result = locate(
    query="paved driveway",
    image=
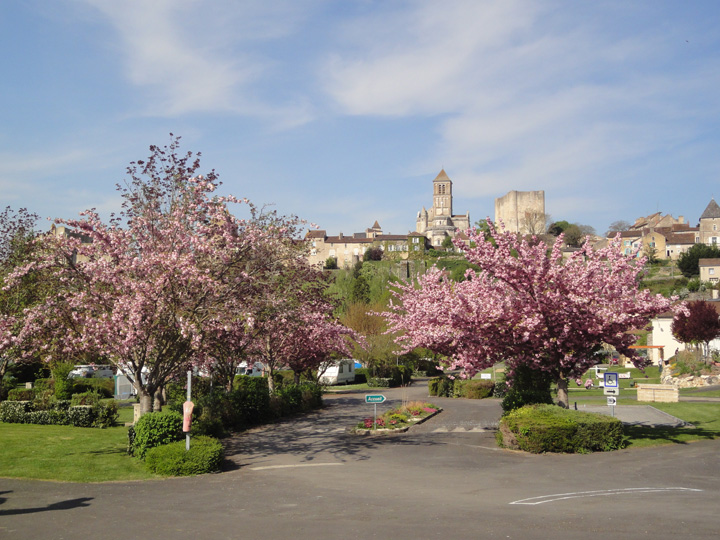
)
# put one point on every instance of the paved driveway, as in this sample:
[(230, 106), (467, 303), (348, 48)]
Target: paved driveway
[(446, 478)]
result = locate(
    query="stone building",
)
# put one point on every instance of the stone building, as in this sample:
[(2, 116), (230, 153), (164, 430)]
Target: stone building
[(522, 212), (710, 224), (349, 249), (439, 222)]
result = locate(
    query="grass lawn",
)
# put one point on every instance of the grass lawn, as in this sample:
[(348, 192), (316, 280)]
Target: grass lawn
[(704, 416), (67, 454)]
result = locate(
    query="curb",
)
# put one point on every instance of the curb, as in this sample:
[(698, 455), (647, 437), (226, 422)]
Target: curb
[(385, 431)]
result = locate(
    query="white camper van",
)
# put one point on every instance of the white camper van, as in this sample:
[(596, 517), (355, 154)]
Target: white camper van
[(339, 372), (255, 371)]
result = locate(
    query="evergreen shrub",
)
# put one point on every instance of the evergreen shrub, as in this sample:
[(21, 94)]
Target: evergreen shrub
[(548, 428), (155, 429), (205, 456), (473, 389), (21, 394)]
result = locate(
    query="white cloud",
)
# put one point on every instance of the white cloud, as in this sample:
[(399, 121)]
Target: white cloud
[(193, 56), (526, 97)]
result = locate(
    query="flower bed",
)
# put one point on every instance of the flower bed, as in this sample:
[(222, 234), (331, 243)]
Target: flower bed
[(397, 420)]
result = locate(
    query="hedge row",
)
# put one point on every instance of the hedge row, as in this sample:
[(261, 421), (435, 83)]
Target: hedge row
[(61, 413), (104, 387), (387, 377), (249, 404), (549, 428), (205, 456), (461, 388)]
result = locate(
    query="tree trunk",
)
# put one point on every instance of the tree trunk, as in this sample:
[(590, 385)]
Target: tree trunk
[(296, 378), (158, 399), (271, 382), (562, 395), (146, 401)]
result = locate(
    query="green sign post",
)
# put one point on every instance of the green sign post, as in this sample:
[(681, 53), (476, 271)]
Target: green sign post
[(374, 399)]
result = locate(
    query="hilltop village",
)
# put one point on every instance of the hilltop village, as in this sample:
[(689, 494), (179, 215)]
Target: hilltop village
[(660, 236)]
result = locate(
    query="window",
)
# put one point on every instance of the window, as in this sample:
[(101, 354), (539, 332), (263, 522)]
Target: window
[(313, 251), (711, 271), (341, 369)]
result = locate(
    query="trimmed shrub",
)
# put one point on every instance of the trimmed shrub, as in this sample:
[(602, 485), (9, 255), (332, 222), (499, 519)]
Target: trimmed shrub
[(205, 456), (548, 428), (14, 412), (473, 389), (82, 415), (104, 387), (361, 375), (441, 386), (21, 394), (379, 382), (85, 398), (155, 429)]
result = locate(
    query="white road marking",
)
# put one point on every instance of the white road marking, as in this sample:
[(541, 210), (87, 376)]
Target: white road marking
[(601, 493), (294, 466)]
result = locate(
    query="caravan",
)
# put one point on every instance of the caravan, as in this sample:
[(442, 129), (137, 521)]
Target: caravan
[(338, 372)]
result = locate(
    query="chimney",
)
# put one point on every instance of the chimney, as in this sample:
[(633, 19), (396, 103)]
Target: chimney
[(681, 219), (340, 236)]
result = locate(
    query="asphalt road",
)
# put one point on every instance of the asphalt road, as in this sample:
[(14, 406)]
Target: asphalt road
[(307, 479)]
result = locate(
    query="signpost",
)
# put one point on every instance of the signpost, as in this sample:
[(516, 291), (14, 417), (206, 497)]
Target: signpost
[(612, 388), (374, 399)]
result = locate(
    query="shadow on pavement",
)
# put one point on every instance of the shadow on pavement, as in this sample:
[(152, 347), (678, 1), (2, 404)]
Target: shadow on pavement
[(62, 505)]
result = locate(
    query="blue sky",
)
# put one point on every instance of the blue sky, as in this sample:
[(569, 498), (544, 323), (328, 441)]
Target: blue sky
[(342, 112)]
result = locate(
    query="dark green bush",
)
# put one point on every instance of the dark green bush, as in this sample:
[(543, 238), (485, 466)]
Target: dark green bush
[(104, 387), (548, 428), (473, 389), (156, 429), (85, 398), (107, 414), (526, 387), (205, 456), (361, 375), (44, 384), (441, 386), (21, 394), (63, 385)]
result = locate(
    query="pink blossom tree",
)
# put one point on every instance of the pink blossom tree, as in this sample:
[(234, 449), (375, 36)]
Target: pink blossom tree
[(293, 321), (145, 291), (528, 306)]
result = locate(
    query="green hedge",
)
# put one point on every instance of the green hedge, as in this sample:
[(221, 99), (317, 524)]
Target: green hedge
[(21, 394), (205, 456), (99, 415), (249, 404), (155, 429), (473, 389), (548, 428), (461, 388)]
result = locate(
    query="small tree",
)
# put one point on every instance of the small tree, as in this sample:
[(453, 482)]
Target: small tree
[(688, 262), (698, 325), (331, 263)]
